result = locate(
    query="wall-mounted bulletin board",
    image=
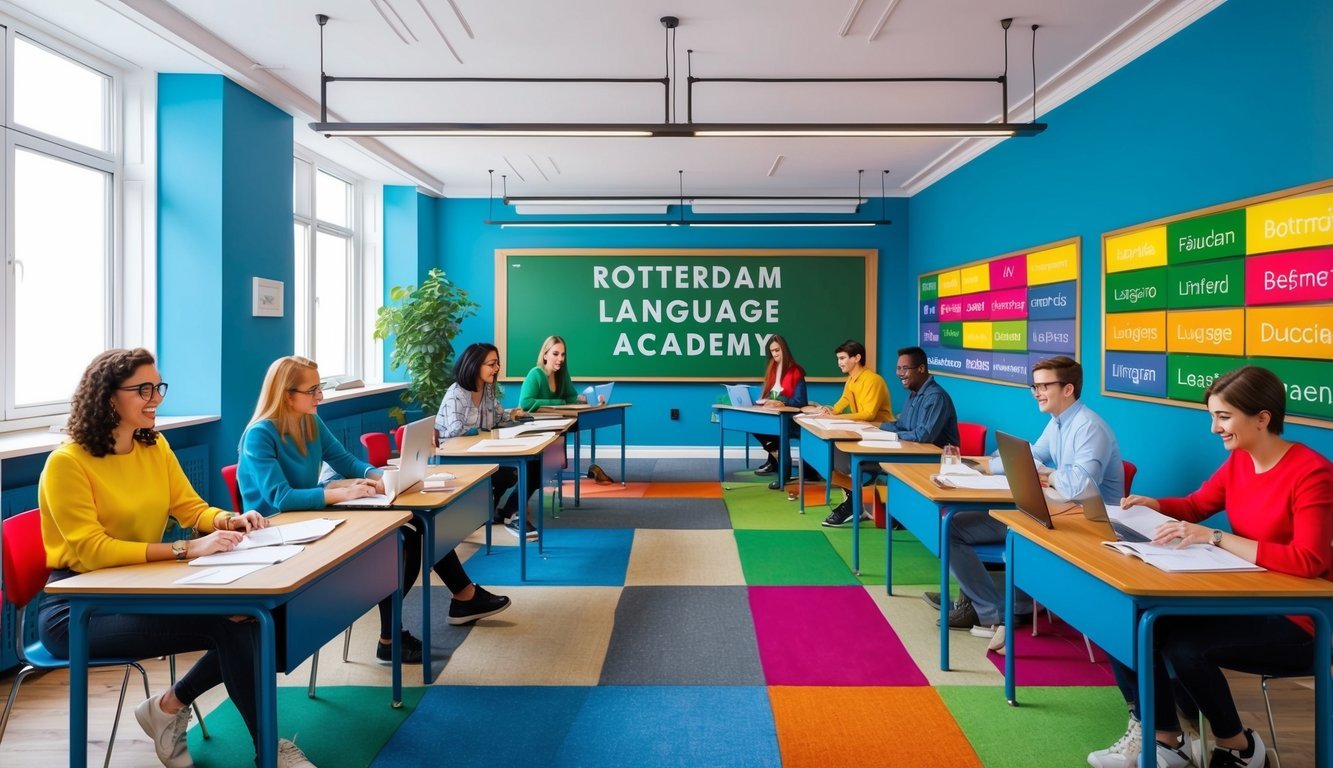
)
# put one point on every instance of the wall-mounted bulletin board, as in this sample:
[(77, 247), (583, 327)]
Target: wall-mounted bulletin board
[(992, 319), (1193, 296), (682, 314)]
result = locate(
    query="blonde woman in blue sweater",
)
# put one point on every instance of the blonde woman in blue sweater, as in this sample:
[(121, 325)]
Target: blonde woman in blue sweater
[(282, 453)]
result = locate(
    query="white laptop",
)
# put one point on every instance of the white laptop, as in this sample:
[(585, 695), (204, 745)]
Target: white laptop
[(418, 445), (739, 394)]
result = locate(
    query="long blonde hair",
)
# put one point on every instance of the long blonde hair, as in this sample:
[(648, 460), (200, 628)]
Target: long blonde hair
[(282, 378), (564, 375)]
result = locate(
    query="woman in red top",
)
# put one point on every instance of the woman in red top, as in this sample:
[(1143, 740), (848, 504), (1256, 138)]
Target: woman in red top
[(1278, 496), (784, 384)]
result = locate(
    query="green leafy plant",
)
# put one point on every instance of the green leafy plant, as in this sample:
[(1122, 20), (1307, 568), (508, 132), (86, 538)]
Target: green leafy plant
[(424, 321)]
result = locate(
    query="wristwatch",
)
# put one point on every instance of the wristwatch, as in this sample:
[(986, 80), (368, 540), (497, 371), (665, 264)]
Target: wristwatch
[(179, 548), (1217, 537)]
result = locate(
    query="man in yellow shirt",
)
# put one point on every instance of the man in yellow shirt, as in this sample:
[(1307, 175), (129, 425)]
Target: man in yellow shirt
[(865, 397)]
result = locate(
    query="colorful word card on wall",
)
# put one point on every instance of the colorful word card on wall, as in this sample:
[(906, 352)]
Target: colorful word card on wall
[(992, 319), (1194, 296)]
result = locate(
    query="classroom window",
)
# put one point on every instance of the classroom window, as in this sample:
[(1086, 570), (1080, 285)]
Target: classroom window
[(60, 170), (325, 204)]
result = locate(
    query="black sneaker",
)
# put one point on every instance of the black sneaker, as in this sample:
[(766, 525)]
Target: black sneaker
[(932, 599), (511, 525), (1253, 756), (411, 650), (963, 615), (840, 516), (767, 468), (481, 605)]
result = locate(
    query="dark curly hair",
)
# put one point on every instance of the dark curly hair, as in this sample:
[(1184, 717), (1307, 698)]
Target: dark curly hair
[(91, 416)]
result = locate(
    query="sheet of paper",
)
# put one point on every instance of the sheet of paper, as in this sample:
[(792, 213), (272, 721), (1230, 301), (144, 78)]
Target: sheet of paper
[(977, 482), (222, 574), (1142, 519), (961, 469), (292, 533), (505, 446), (256, 556), (881, 444), (543, 426)]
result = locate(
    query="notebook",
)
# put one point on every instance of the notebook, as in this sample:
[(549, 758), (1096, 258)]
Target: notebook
[(418, 445)]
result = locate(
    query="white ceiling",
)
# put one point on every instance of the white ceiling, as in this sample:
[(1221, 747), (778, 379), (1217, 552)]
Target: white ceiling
[(272, 47)]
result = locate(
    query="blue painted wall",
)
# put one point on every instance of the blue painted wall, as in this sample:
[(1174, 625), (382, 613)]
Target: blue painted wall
[(1185, 126), (225, 216), (467, 247)]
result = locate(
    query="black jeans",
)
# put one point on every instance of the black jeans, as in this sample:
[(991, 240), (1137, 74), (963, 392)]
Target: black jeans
[(231, 647), (506, 478), (1193, 650), (449, 569)]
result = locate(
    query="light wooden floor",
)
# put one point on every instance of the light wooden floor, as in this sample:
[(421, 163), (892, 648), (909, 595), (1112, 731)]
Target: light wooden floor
[(40, 721)]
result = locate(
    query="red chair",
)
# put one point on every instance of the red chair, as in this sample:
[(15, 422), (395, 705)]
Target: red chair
[(25, 574), (1130, 472), (398, 438), (229, 477), (971, 439), (377, 448)]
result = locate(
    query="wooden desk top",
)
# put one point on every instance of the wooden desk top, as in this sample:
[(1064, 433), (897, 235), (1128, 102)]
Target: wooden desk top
[(826, 434), (359, 527), (1079, 541), (917, 477), (757, 408), (578, 408), (905, 447), (459, 446), (468, 475)]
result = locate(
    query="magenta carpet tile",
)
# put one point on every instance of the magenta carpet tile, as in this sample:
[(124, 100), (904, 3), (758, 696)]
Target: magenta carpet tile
[(827, 636), (1055, 657)]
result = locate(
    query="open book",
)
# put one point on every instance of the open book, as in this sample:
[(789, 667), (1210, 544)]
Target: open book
[(292, 533), (1193, 558), (532, 427)]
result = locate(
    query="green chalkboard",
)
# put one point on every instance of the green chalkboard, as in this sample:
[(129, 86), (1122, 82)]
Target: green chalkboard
[(655, 315)]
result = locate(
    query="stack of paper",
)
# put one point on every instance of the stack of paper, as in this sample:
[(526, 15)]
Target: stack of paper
[(976, 482), (292, 533), (545, 425), (513, 444)]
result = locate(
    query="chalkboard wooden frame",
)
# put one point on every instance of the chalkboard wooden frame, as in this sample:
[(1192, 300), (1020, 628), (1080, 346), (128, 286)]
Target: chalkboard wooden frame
[(516, 366)]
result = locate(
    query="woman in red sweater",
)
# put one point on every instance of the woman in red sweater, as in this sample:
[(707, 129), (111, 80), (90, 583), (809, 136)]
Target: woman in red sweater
[(1278, 496), (784, 384)]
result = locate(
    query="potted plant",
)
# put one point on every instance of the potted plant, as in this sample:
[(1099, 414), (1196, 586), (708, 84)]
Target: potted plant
[(424, 321)]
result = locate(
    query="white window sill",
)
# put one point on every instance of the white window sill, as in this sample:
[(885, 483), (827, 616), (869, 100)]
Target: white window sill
[(336, 395), (34, 441)]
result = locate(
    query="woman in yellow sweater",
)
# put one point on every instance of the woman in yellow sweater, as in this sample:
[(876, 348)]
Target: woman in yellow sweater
[(105, 497)]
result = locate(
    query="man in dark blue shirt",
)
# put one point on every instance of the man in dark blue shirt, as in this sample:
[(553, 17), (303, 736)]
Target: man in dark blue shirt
[(929, 416)]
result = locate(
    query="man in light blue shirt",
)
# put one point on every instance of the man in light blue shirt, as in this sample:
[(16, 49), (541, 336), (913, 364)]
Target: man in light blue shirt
[(1077, 456)]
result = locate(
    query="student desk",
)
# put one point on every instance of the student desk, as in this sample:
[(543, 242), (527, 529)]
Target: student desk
[(756, 419), (300, 604), (550, 452), (592, 418), (1115, 600), (817, 450), (860, 453), (927, 511), (446, 518)]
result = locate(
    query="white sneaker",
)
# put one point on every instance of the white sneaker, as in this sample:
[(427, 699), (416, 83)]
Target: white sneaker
[(1124, 752), (166, 731), (291, 756), (997, 642)]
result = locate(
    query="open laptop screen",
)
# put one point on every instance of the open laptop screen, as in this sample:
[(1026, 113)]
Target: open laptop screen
[(1024, 482)]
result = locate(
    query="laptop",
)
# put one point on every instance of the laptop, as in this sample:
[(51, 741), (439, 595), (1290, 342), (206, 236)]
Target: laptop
[(739, 394), (418, 446), (1021, 469), (596, 393)]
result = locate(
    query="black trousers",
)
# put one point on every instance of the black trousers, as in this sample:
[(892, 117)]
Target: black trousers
[(506, 478), (449, 569), (1193, 650)]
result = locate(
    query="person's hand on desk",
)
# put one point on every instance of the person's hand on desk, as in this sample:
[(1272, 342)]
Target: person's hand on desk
[(244, 523), (771, 402), (581, 399), (346, 490), (601, 399), (217, 541), (821, 410), (517, 414), (1135, 500), (1179, 533)]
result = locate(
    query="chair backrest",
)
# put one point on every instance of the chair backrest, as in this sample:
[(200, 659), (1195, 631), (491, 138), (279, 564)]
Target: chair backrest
[(398, 438), (24, 557), (229, 477), (377, 448), (1130, 471), (972, 438)]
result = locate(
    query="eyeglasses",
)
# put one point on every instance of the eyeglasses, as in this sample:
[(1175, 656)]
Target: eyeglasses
[(492, 364), (906, 368), (314, 391), (1042, 385), (146, 389)]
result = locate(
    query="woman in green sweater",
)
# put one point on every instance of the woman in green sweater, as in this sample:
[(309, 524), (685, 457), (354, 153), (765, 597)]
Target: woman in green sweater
[(548, 383)]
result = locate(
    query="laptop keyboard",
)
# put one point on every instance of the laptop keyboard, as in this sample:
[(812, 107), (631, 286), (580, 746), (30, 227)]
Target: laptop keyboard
[(1125, 533)]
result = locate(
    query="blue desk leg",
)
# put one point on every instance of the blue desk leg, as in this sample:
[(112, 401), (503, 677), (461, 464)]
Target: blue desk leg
[(784, 453), (945, 521), (624, 480), (78, 685), (1010, 566), (856, 514), (266, 686), (1147, 708), (396, 644), (427, 562), (578, 471), (592, 447), (522, 491), (800, 489), (721, 449)]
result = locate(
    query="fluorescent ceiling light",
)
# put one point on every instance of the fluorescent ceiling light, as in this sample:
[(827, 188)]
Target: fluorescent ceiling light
[(589, 207), (683, 130)]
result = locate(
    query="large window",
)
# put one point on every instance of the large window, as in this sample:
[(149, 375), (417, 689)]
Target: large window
[(328, 326), (60, 165)]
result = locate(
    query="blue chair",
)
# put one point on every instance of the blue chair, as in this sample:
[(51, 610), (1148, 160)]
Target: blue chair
[(25, 574)]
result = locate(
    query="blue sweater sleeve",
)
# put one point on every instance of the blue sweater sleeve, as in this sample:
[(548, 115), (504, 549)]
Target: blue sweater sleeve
[(262, 474), (799, 398)]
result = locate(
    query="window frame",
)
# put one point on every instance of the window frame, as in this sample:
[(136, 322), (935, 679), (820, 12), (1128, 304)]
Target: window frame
[(111, 162), (355, 331)]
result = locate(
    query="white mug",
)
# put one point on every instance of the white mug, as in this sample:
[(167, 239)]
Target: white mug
[(390, 480)]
